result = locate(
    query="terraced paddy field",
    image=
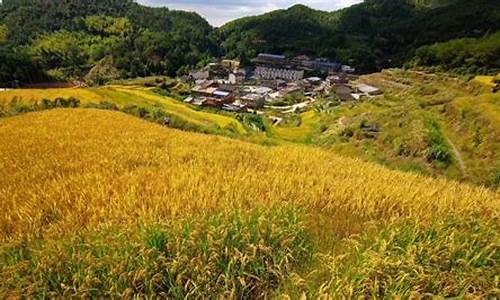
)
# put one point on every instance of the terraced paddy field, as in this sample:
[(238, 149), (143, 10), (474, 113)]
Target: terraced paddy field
[(123, 97), (433, 124), (98, 203), (309, 121)]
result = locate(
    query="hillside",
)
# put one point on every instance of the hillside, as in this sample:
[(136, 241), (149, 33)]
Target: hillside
[(114, 206), (138, 101), (429, 123), (65, 40), (433, 124), (465, 56), (371, 35)]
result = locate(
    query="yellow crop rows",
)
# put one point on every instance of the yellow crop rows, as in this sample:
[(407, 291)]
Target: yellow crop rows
[(94, 203), (122, 97), (65, 170)]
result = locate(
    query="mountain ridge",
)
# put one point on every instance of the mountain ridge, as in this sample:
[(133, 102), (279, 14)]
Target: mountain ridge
[(370, 36)]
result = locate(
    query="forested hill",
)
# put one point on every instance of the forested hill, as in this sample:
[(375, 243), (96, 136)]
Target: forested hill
[(66, 39), (370, 35), (99, 40)]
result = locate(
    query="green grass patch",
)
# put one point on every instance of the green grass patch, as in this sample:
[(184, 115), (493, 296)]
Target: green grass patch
[(309, 122), (438, 150)]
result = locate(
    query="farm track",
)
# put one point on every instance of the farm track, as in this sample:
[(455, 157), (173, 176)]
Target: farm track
[(458, 156)]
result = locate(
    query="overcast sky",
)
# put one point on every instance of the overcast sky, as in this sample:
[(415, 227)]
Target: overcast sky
[(218, 12)]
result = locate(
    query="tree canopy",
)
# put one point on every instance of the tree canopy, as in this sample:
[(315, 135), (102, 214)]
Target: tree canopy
[(370, 35), (467, 55), (66, 39), (3, 33)]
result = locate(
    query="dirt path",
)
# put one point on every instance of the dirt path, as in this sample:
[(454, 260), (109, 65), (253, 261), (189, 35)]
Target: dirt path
[(458, 157)]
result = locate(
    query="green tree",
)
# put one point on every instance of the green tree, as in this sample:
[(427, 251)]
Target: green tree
[(468, 55), (3, 33), (106, 25)]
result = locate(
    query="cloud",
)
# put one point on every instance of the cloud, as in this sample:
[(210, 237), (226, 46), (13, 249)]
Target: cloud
[(218, 12)]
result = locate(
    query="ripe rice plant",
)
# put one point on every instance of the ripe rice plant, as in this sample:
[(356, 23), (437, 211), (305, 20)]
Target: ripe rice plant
[(120, 97), (240, 255), (450, 258), (102, 204)]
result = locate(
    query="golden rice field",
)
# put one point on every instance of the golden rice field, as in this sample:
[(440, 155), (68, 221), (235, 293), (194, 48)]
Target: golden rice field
[(101, 204), (123, 96)]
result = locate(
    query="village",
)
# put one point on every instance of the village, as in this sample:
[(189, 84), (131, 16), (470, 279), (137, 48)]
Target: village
[(274, 82)]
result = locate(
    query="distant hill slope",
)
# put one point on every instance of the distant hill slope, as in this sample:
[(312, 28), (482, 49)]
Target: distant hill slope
[(466, 55), (431, 3), (129, 99), (66, 39), (28, 18), (370, 35)]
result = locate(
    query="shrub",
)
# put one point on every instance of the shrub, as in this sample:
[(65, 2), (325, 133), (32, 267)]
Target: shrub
[(103, 105), (20, 108), (347, 132), (253, 120), (496, 80), (135, 110), (477, 138), (438, 149), (495, 177), (71, 102)]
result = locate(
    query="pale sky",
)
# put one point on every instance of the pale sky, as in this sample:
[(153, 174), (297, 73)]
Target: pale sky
[(218, 12)]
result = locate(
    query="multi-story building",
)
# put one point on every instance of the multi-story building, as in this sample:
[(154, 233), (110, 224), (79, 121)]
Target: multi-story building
[(270, 59), (278, 73), (321, 64)]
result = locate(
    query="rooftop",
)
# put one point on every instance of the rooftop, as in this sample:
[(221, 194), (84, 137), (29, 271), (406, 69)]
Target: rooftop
[(221, 93), (270, 56), (365, 88)]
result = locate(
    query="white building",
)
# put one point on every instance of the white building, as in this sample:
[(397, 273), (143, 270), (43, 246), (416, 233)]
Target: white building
[(235, 78), (276, 73)]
